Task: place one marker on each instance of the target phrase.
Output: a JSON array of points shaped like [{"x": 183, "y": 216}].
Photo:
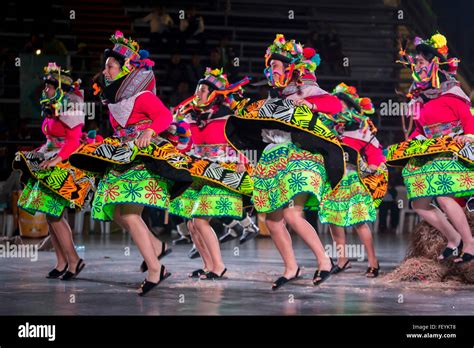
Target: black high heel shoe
[
  {"x": 323, "y": 275},
  {"x": 212, "y": 275},
  {"x": 465, "y": 257},
  {"x": 282, "y": 280},
  {"x": 146, "y": 286},
  {"x": 54, "y": 273},
  {"x": 164, "y": 252},
  {"x": 451, "y": 252},
  {"x": 197, "y": 273},
  {"x": 336, "y": 269},
  {"x": 373, "y": 272},
  {"x": 69, "y": 275}
]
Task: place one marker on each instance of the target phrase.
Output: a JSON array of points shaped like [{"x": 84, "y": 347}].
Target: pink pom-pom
[
  {"x": 309, "y": 52},
  {"x": 173, "y": 138}
]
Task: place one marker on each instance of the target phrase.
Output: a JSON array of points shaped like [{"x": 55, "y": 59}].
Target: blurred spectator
[
  {"x": 24, "y": 131},
  {"x": 389, "y": 205},
  {"x": 215, "y": 59},
  {"x": 228, "y": 56},
  {"x": 194, "y": 70},
  {"x": 156, "y": 220},
  {"x": 316, "y": 41},
  {"x": 7, "y": 186},
  {"x": 81, "y": 60},
  {"x": 161, "y": 25},
  {"x": 34, "y": 43},
  {"x": 334, "y": 55},
  {"x": 183, "y": 92},
  {"x": 9, "y": 75},
  {"x": 175, "y": 72},
  {"x": 53, "y": 46},
  {"x": 191, "y": 27},
  {"x": 3, "y": 66}
]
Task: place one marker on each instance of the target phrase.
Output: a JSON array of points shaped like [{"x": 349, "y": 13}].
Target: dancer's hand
[
  {"x": 302, "y": 101},
  {"x": 240, "y": 168},
  {"x": 462, "y": 139},
  {"x": 373, "y": 167},
  {"x": 50, "y": 163},
  {"x": 144, "y": 139}
]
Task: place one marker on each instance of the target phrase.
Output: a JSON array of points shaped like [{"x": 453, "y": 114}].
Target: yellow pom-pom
[
  {"x": 216, "y": 72},
  {"x": 279, "y": 37},
  {"x": 439, "y": 40}
]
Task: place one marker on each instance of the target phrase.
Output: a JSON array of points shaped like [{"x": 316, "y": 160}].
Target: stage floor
[{"x": 108, "y": 283}]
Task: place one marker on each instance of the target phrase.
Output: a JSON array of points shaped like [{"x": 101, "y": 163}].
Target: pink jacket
[
  {"x": 373, "y": 154},
  {"x": 148, "y": 107},
  {"x": 53, "y": 127},
  {"x": 442, "y": 110}
]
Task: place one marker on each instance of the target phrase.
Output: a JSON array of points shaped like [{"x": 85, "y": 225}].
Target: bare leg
[
  {"x": 63, "y": 234},
  {"x": 61, "y": 259},
  {"x": 129, "y": 217},
  {"x": 282, "y": 239},
  {"x": 211, "y": 242},
  {"x": 457, "y": 217},
  {"x": 294, "y": 216},
  {"x": 436, "y": 219},
  {"x": 365, "y": 236},
  {"x": 339, "y": 237},
  {"x": 200, "y": 246},
  {"x": 157, "y": 244}
]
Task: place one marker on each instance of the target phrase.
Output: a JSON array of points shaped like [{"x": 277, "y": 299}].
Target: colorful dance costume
[
  {"x": 434, "y": 164},
  {"x": 361, "y": 190},
  {"x": 296, "y": 150},
  {"x": 52, "y": 190},
  {"x": 218, "y": 188},
  {"x": 131, "y": 175}
]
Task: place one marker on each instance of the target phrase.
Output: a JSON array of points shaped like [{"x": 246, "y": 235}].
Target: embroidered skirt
[
  {"x": 202, "y": 200},
  {"x": 129, "y": 184},
  {"x": 160, "y": 157},
  {"x": 284, "y": 172},
  {"x": 218, "y": 189},
  {"x": 51, "y": 190},
  {"x": 438, "y": 175},
  {"x": 349, "y": 204}
]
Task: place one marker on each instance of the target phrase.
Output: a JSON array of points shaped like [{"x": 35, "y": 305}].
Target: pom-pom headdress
[
  {"x": 359, "y": 108},
  {"x": 56, "y": 76},
  {"x": 435, "y": 51},
  {"x": 124, "y": 48},
  {"x": 349, "y": 95},
  {"x": 297, "y": 61},
  {"x": 217, "y": 80},
  {"x": 62, "y": 81},
  {"x": 127, "y": 51}
]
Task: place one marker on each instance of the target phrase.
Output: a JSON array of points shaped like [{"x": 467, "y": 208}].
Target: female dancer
[
  {"x": 288, "y": 178},
  {"x": 436, "y": 158},
  {"x": 221, "y": 175},
  {"x": 136, "y": 159},
  {"x": 354, "y": 202},
  {"x": 52, "y": 184}
]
